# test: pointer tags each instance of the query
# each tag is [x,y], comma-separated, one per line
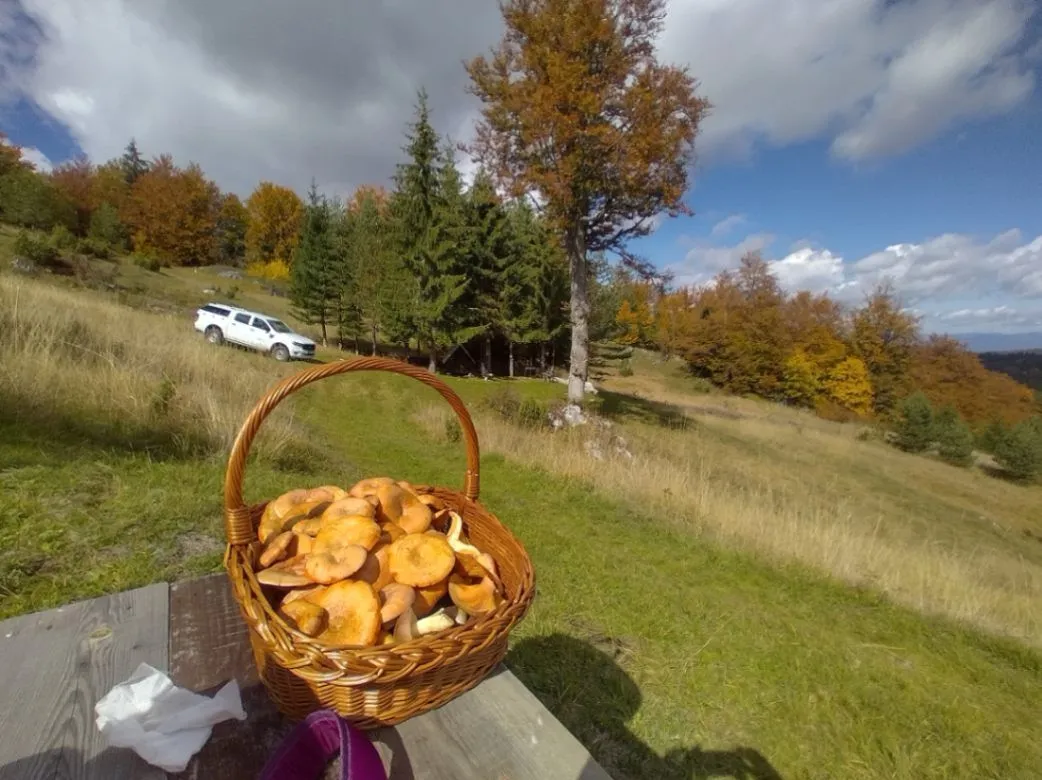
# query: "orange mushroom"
[309,593]
[351,529]
[302,544]
[306,617]
[390,508]
[334,565]
[274,524]
[435,503]
[349,506]
[392,531]
[421,559]
[275,511]
[473,598]
[427,598]
[326,493]
[276,549]
[395,598]
[367,487]
[375,570]
[415,516]
[353,614]
[289,573]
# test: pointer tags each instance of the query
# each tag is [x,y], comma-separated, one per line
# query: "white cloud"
[726,225]
[876,76]
[323,88]
[37,158]
[954,281]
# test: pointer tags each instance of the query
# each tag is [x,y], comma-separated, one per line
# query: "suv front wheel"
[280,353]
[214,335]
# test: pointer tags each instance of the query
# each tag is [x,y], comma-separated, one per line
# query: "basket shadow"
[70,762]
[594,698]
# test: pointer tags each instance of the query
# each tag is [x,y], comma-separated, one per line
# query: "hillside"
[1024,366]
[775,590]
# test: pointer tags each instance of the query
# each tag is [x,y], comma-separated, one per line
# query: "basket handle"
[237,521]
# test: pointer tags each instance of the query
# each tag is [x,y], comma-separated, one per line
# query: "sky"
[850,141]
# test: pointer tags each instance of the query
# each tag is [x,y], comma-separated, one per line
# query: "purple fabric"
[305,752]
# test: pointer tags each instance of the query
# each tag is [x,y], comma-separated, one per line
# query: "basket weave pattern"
[372,686]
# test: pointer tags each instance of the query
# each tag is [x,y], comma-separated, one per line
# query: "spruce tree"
[491,263]
[133,165]
[954,438]
[432,234]
[915,428]
[313,277]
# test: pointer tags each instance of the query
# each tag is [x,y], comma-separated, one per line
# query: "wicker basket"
[371,686]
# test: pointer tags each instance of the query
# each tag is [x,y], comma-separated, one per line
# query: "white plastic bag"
[162,723]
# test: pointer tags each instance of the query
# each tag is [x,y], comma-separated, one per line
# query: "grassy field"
[695,615]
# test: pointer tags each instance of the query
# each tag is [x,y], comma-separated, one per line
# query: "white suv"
[221,323]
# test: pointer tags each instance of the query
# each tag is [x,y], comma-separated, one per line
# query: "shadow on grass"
[592,695]
[621,406]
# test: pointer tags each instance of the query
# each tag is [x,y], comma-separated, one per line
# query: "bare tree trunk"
[542,356]
[580,315]
[373,334]
[511,359]
[356,343]
[486,360]
[432,363]
[322,321]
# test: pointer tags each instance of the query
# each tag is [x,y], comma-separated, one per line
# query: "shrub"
[62,238]
[148,262]
[914,427]
[504,402]
[1020,453]
[626,368]
[36,249]
[990,439]
[93,247]
[232,292]
[105,226]
[531,414]
[954,438]
[453,431]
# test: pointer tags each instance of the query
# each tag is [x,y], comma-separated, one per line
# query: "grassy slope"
[667,656]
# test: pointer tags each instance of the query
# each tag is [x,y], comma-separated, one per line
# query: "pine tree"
[954,438]
[431,228]
[133,165]
[489,261]
[369,256]
[1020,452]
[914,427]
[313,275]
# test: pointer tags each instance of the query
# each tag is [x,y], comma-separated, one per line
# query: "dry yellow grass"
[76,359]
[796,489]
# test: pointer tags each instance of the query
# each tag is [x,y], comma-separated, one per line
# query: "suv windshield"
[279,327]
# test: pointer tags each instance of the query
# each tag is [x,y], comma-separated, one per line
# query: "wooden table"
[55,665]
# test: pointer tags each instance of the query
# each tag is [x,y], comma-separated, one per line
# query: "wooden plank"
[55,665]
[496,731]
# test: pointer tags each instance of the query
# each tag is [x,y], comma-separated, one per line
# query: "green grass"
[666,654]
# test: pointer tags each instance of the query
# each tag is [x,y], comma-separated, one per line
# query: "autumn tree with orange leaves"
[276,215]
[172,213]
[578,112]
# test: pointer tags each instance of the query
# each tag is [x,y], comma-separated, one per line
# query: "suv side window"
[215,310]
[261,324]
[243,318]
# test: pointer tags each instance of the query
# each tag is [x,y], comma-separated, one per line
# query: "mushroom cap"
[302,544]
[349,505]
[285,574]
[421,559]
[416,515]
[354,614]
[473,598]
[350,529]
[427,598]
[439,621]
[367,487]
[395,598]
[273,524]
[326,493]
[285,502]
[309,527]
[305,616]
[375,570]
[392,531]
[334,565]
[309,593]
[390,508]
[276,549]
[435,503]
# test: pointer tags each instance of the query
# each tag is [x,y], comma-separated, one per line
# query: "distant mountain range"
[1000,342]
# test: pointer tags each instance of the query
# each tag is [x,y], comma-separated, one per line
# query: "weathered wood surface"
[497,731]
[55,665]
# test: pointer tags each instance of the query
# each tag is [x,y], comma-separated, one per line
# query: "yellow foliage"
[848,385]
[275,218]
[801,380]
[635,315]
[276,270]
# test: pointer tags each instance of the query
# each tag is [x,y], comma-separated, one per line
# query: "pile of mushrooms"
[374,565]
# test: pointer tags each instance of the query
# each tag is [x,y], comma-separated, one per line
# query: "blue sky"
[851,140]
